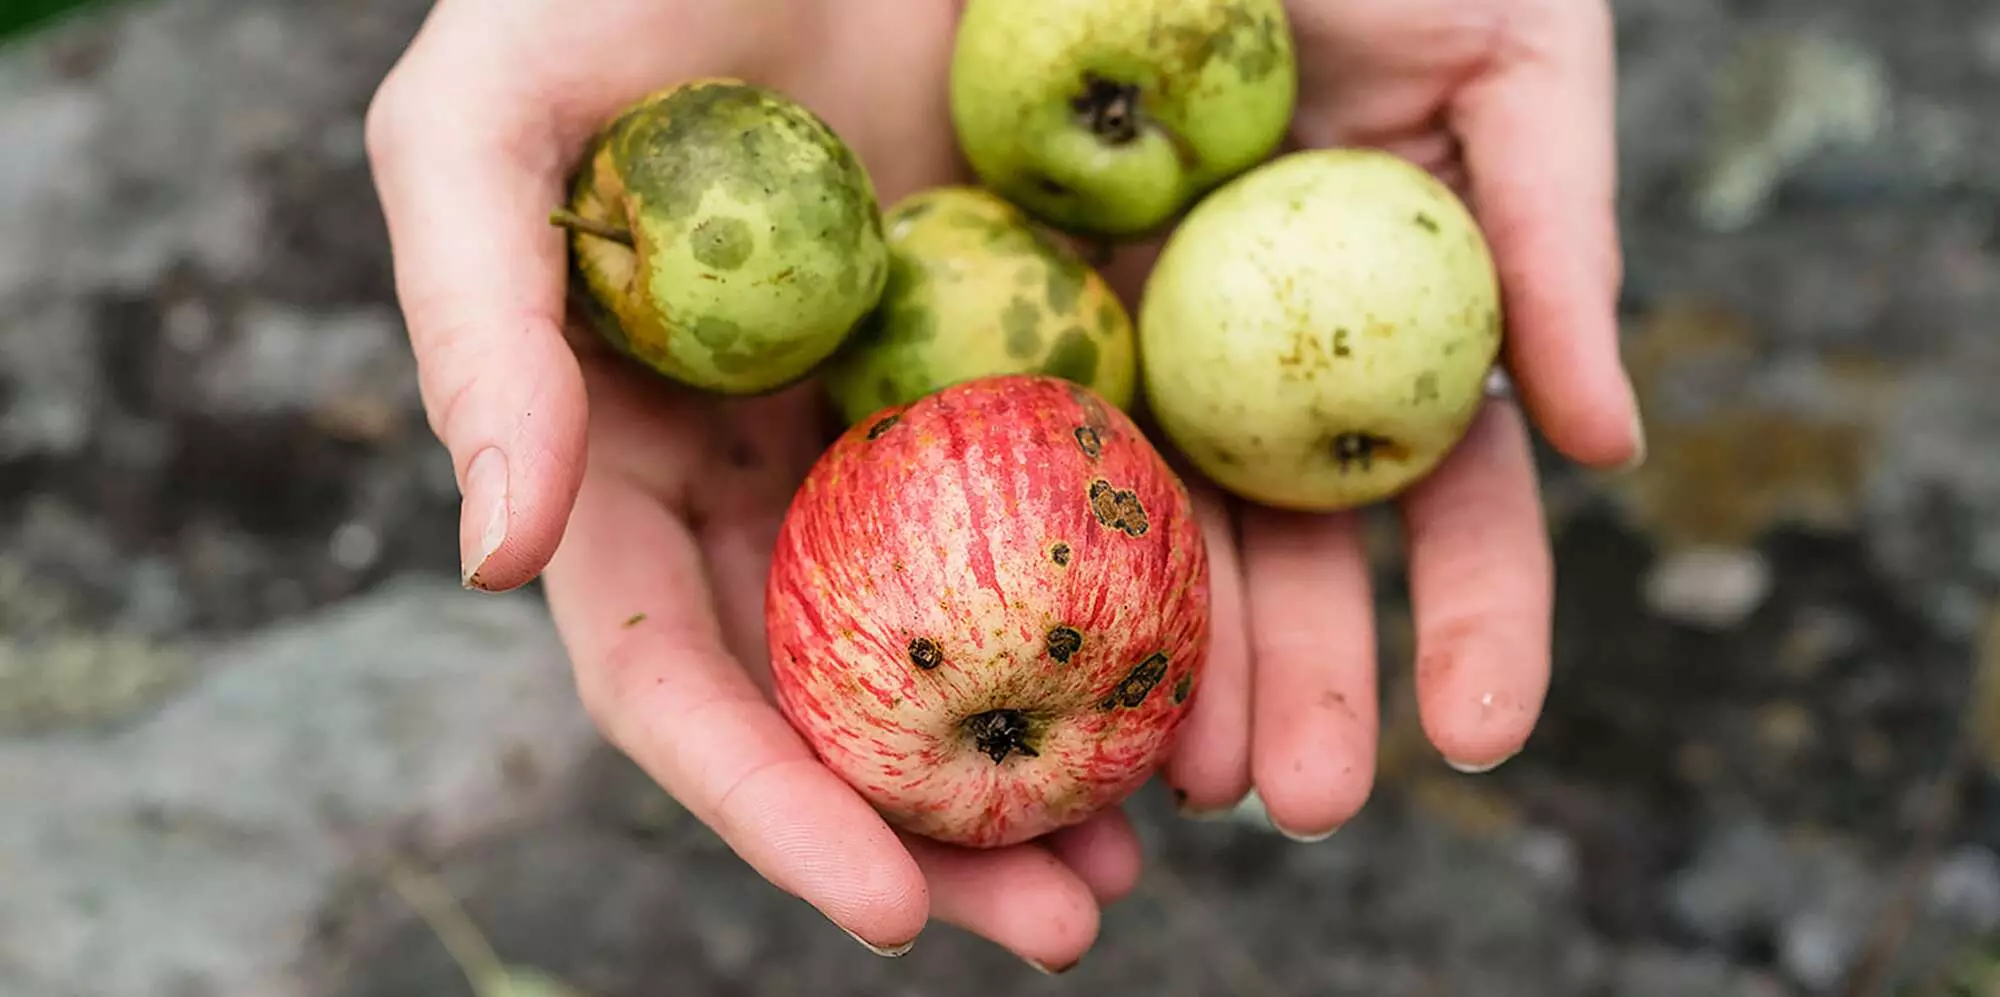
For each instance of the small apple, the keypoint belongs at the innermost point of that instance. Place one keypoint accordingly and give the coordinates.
(988, 610)
(976, 287)
(724, 236)
(1108, 117)
(1317, 332)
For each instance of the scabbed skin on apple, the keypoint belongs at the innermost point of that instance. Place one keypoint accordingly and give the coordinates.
(977, 288)
(756, 236)
(1108, 117)
(988, 610)
(1317, 333)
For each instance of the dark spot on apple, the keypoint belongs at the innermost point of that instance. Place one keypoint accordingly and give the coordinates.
(634, 620)
(1022, 323)
(1048, 185)
(999, 733)
(1089, 442)
(1182, 687)
(1107, 317)
(1060, 553)
(1340, 348)
(1063, 643)
(722, 243)
(1118, 508)
(1352, 449)
(925, 654)
(883, 425)
(1426, 389)
(1137, 683)
(1073, 358)
(1065, 280)
(1426, 222)
(1109, 108)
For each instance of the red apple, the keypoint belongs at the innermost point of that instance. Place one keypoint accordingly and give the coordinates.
(988, 609)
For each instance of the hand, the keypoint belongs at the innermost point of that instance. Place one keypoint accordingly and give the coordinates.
(1510, 101)
(660, 508)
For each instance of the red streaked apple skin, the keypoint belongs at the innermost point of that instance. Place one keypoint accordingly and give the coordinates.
(1003, 567)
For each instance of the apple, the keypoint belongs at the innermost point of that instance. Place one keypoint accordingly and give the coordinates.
(1107, 118)
(977, 287)
(1317, 333)
(724, 236)
(988, 609)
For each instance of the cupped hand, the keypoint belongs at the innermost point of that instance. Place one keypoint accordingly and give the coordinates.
(1510, 102)
(654, 510)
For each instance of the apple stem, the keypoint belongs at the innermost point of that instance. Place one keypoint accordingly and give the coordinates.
(565, 218)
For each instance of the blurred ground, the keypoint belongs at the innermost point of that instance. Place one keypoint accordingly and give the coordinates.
(235, 668)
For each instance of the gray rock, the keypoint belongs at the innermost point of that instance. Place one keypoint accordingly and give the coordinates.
(193, 847)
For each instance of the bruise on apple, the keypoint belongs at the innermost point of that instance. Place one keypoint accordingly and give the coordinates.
(883, 425)
(1137, 683)
(1063, 642)
(925, 653)
(1118, 508)
(1087, 439)
(1183, 687)
(967, 527)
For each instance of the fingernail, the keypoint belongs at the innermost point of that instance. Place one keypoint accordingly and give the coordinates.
(888, 953)
(484, 524)
(1303, 837)
(1638, 441)
(1476, 768)
(1046, 970)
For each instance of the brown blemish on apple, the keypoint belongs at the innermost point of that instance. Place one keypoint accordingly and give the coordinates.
(1137, 683)
(1108, 108)
(1118, 508)
(999, 733)
(925, 654)
(1063, 643)
(875, 432)
(1359, 449)
(1089, 442)
(1426, 222)
(1060, 553)
(1183, 687)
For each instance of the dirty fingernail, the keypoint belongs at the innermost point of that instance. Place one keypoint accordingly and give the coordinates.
(484, 524)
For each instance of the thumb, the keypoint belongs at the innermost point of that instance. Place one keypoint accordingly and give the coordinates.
(479, 272)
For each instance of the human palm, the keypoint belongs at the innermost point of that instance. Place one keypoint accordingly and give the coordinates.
(653, 509)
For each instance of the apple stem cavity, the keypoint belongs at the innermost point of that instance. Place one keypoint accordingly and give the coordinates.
(999, 733)
(1110, 109)
(565, 218)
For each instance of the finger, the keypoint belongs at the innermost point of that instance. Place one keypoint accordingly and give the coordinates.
(1538, 137)
(1103, 852)
(1022, 898)
(466, 188)
(1481, 584)
(1209, 769)
(626, 591)
(1312, 635)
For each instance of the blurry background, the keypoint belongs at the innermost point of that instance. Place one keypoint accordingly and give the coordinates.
(236, 668)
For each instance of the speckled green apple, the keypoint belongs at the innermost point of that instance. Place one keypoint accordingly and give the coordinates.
(725, 236)
(1108, 117)
(1318, 331)
(977, 288)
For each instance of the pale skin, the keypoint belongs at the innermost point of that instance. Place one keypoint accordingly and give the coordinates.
(648, 512)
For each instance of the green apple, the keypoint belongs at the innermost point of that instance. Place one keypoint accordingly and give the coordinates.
(1318, 331)
(1107, 118)
(724, 236)
(978, 288)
